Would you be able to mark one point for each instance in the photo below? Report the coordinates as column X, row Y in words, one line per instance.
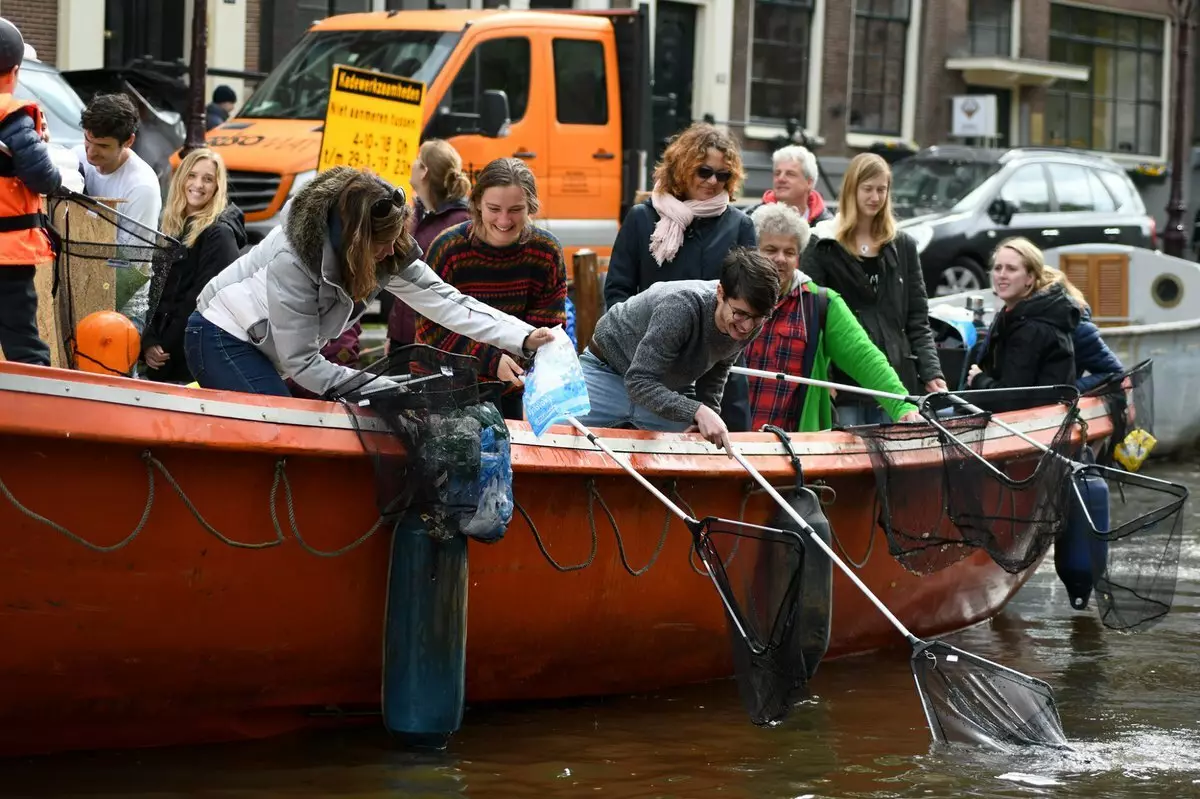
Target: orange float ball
column 107, row 343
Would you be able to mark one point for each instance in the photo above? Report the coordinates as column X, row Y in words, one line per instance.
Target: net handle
column 816, row 539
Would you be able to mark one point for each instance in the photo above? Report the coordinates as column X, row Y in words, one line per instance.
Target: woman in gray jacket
column 341, row 241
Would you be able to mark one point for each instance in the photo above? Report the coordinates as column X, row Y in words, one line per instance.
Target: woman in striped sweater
column 499, row 257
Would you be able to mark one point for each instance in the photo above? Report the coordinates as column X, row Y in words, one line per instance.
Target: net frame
column 135, row 242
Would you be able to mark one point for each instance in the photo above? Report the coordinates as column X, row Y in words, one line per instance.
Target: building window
column 1120, row 108
column 779, row 65
column 989, row 27
column 880, row 40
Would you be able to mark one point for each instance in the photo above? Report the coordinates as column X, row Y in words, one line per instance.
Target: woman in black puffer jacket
column 198, row 213
column 1031, row 339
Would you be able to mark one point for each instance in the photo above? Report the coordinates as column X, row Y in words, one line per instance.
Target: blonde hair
column 688, row 151
column 362, row 232
column 176, row 215
column 443, row 172
column 864, row 167
column 1035, row 264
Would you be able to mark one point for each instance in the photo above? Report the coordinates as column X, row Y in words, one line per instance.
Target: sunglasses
column 705, row 172
column 384, row 205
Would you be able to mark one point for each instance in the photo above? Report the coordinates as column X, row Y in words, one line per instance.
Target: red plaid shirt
column 779, row 347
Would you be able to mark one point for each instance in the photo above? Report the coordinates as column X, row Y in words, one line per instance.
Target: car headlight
column 300, row 180
column 921, row 234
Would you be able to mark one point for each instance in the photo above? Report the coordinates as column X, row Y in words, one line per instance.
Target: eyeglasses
column 383, row 206
column 741, row 317
column 705, row 172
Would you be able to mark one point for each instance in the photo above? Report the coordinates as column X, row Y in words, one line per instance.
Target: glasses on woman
column 705, row 172
column 384, row 205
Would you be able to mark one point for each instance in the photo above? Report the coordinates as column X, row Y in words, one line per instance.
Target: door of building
column 674, row 68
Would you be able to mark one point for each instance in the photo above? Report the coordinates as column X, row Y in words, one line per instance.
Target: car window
column 1120, row 190
column 1071, row 188
column 1027, row 188
column 495, row 64
column 580, row 86
column 1100, row 196
column 60, row 105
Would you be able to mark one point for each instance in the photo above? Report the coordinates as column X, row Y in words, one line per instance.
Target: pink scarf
column 674, row 215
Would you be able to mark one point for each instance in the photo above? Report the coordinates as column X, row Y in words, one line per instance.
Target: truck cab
column 566, row 92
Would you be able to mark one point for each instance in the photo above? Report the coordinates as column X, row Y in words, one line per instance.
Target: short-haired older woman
column 686, row 228
column 810, row 329
column 794, row 183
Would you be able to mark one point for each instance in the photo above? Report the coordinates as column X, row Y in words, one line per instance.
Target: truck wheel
column 963, row 274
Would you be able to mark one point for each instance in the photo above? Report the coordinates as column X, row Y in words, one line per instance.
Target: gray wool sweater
column 664, row 339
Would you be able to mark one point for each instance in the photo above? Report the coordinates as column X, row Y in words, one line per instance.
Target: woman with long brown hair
column 342, row 240
column 501, row 258
column 197, row 213
column 441, row 188
column 877, row 271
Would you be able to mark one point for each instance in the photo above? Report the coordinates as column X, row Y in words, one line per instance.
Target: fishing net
column 437, row 442
column 1135, row 524
column 134, row 243
column 1129, row 400
column 941, row 495
column 757, row 572
column 971, row 700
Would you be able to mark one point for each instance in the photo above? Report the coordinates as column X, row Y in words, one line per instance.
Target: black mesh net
column 134, row 244
column 1129, row 534
column 971, row 700
column 438, row 444
column 757, row 571
column 941, row 495
column 1129, row 400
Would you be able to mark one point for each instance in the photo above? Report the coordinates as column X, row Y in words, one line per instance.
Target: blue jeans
column 218, row 360
column 861, row 414
column 611, row 406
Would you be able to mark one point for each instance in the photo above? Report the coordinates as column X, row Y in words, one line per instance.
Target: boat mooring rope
column 154, row 465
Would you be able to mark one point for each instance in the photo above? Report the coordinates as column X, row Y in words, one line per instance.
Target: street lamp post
column 1175, row 235
column 199, row 68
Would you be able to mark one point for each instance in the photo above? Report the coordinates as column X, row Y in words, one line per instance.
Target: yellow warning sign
column 373, row 122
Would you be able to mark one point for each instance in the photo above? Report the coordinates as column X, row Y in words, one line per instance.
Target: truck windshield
column 930, row 185
column 299, row 87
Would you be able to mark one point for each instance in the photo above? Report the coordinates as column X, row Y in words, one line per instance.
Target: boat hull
column 180, row 637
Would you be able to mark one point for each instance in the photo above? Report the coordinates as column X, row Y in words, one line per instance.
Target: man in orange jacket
column 26, row 173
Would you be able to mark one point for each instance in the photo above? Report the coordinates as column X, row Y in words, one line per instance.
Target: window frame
column 861, row 90
column 1002, row 33
column 804, row 82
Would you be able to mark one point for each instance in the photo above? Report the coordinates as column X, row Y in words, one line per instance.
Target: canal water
column 1129, row 703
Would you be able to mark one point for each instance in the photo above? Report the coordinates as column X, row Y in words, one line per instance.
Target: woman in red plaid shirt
column 811, row 328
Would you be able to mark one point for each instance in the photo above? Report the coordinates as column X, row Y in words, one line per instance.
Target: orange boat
column 162, row 578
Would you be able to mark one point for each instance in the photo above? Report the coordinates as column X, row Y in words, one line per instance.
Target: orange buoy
column 107, row 343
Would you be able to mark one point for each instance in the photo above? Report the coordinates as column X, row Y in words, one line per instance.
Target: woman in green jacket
column 786, row 343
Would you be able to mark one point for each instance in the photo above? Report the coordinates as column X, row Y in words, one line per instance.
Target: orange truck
column 566, row 91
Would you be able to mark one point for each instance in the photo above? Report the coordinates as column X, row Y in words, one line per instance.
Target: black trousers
column 19, row 340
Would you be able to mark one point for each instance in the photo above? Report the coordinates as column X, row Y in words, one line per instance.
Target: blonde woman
column 1031, row 341
column 197, row 213
column 875, row 268
column 441, row 187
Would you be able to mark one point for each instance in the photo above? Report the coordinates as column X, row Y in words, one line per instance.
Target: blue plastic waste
column 1080, row 556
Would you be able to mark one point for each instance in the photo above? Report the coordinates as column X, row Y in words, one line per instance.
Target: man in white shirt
column 112, row 170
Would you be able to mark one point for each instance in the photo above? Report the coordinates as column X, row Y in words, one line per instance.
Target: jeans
column 861, row 414
column 611, row 406
column 19, row 339
column 220, row 361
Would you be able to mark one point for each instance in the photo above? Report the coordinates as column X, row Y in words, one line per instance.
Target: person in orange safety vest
column 26, row 173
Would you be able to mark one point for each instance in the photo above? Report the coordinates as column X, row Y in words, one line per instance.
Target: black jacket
column 216, row 248
column 1031, row 344
column 895, row 314
column 30, row 161
column 631, row 267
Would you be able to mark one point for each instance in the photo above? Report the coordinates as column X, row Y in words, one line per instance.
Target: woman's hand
column 538, row 338
column 935, row 385
column 510, row 371
column 973, row 373
column 156, row 357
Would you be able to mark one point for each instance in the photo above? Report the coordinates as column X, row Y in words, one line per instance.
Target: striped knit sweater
column 527, row 280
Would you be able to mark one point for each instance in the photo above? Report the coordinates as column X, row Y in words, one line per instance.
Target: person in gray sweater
column 653, row 346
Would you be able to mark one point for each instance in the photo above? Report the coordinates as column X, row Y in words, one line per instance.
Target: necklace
column 864, row 249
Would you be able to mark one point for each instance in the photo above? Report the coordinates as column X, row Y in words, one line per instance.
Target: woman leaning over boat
column 341, row 242
column 810, row 330
column 500, row 258
column 441, row 188
column 875, row 267
column 1030, row 342
column 197, row 213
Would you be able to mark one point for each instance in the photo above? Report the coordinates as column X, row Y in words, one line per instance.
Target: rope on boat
column 537, row 537
column 153, row 465
column 594, row 495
